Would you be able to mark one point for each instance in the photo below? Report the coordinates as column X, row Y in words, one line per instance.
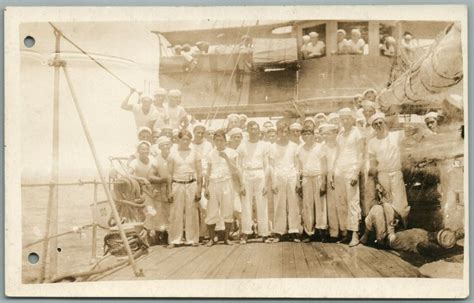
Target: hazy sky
column 129, row 49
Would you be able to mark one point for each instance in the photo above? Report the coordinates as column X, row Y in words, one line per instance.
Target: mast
column 50, row 245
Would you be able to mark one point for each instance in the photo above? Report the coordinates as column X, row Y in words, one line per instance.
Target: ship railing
column 100, row 217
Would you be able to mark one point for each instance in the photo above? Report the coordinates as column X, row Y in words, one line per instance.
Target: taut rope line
column 90, row 57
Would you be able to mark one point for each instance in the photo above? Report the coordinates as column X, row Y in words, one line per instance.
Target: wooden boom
column 441, row 68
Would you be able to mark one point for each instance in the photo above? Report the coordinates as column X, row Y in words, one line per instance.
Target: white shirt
column 356, row 47
column 387, row 151
column 161, row 115
column 343, row 46
column 316, row 49
column 348, row 158
column 184, row 164
column 175, row 115
column 310, row 159
column 220, row 169
column 140, row 169
column 252, row 157
column 330, row 152
column 283, row 158
column 203, row 150
column 142, row 119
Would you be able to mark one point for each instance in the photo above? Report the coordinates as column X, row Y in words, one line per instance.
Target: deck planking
column 260, row 260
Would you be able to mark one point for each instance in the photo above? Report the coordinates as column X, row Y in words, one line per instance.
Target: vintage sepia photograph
column 238, row 150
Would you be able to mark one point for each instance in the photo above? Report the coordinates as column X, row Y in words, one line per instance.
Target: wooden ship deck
column 260, row 260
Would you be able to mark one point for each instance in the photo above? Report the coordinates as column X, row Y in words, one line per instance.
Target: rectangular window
column 353, row 38
column 314, row 42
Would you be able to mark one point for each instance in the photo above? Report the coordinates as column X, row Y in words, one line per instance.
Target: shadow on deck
column 259, row 260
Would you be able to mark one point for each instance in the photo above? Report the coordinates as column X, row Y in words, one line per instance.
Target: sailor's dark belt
column 185, row 182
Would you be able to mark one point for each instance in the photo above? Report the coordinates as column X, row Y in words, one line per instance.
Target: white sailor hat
column 369, row 90
column 390, row 39
column 376, row 116
column 325, row 127
column 355, row 31
column 341, row 31
column 162, row 140
column 270, row 128
column 166, row 126
column 308, row 119
column 368, row 103
column 313, row 34
column 143, row 129
column 306, row 38
column 161, row 91
column 174, row 93
column 199, row 124
column 332, row 116
column 243, row 116
column 359, row 117
column 345, row 112
column 431, row 115
column 320, row 115
column 145, row 97
column 234, row 131
column 233, row 116
column 143, row 142
column 296, row 126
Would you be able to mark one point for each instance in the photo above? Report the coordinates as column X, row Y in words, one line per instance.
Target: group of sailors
column 313, row 179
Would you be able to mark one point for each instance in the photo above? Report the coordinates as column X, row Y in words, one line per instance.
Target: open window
column 353, row 38
column 314, row 42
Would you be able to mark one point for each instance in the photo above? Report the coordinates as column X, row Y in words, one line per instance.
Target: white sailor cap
column 161, row 91
column 341, row 31
column 332, row 116
column 390, row 39
column 306, row 38
column 369, row 90
column 309, row 119
column 326, row 127
column 376, row 116
column 313, row 34
column 144, row 129
column 296, row 126
column 346, row 112
column 174, row 93
column 162, row 140
column 359, row 117
column 320, row 115
column 242, row 117
column 431, row 115
column 234, row 131
column 145, row 97
column 143, row 142
column 368, row 104
column 199, row 124
column 233, row 116
column 166, row 126
column 355, row 31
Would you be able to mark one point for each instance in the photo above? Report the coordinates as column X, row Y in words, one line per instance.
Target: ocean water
column 73, row 211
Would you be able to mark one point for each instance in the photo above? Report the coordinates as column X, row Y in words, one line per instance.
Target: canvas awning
column 274, row 51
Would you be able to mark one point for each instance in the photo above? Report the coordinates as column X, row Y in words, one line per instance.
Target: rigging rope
column 228, row 86
column 229, row 56
column 57, row 30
